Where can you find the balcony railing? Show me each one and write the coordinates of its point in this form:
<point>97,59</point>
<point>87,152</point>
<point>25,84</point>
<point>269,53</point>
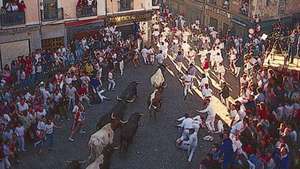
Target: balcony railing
<point>12,18</point>
<point>86,11</point>
<point>52,14</point>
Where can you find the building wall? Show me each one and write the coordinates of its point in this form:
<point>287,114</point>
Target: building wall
<point>69,8</point>
<point>32,12</point>
<point>191,9</point>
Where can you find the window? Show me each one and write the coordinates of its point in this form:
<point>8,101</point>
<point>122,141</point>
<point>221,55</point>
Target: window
<point>50,9</point>
<point>125,5</point>
<point>213,23</point>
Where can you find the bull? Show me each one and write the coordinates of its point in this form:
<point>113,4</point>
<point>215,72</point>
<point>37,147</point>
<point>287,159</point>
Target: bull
<point>100,139</point>
<point>103,161</point>
<point>74,164</point>
<point>154,102</point>
<point>128,130</point>
<point>157,79</point>
<point>130,93</point>
<point>116,113</point>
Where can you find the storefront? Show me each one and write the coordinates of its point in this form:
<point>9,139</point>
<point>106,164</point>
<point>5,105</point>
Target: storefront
<point>191,9</point>
<point>241,26</point>
<point>217,18</point>
<point>125,22</point>
<point>53,36</point>
<point>16,42</point>
<point>79,29</point>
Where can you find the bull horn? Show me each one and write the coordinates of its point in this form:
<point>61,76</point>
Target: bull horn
<point>141,114</point>
<point>130,100</point>
<point>123,121</point>
<point>118,98</point>
<point>112,116</point>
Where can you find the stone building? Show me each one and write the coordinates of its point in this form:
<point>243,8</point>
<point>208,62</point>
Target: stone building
<point>240,14</point>
<point>50,24</point>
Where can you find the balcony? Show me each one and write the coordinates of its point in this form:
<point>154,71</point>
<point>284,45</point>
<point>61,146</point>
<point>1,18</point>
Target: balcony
<point>12,18</point>
<point>52,14</point>
<point>86,11</point>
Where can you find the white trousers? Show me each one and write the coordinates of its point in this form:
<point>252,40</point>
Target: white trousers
<point>210,122</point>
<point>187,88</point>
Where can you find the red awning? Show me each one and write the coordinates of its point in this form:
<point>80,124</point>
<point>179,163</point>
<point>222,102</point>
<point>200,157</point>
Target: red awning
<point>82,22</point>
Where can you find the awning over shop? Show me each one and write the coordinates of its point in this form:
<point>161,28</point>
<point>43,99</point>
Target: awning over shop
<point>242,21</point>
<point>268,24</point>
<point>82,26</point>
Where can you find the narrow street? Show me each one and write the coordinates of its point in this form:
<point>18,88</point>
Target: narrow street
<point>154,143</point>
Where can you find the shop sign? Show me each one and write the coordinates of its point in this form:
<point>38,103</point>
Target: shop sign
<point>216,10</point>
<point>130,18</point>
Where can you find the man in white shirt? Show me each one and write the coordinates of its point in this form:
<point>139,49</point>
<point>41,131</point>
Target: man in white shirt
<point>20,132</point>
<point>206,91</point>
<point>71,94</point>
<point>186,124</point>
<point>22,105</point>
<point>210,119</point>
<point>145,55</point>
<point>160,58</point>
<point>190,144</point>
<point>187,81</point>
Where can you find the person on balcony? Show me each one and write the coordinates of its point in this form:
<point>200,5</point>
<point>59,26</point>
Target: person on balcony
<point>22,6</point>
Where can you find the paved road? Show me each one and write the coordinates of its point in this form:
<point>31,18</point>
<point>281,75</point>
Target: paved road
<point>154,144</point>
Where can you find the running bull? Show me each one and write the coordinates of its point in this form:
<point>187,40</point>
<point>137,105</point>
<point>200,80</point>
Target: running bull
<point>116,113</point>
<point>128,131</point>
<point>130,93</point>
<point>100,139</point>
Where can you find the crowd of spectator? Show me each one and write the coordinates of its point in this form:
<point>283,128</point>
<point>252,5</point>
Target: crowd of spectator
<point>47,88</point>
<point>86,7</point>
<point>14,6</point>
<point>263,132</point>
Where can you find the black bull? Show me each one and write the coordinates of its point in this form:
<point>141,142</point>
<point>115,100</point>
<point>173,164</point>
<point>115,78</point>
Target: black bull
<point>116,113</point>
<point>128,131</point>
<point>130,93</point>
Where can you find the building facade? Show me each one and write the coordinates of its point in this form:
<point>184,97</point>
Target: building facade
<point>49,24</point>
<point>191,9</point>
<point>238,14</point>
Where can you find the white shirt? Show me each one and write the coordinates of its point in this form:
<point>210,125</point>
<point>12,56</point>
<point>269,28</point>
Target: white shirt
<point>49,128</point>
<point>160,58</point>
<point>204,81</point>
<point>110,76</point>
<point>209,110</point>
<point>71,92</point>
<point>187,123</point>
<point>41,126</point>
<point>206,92</point>
<point>22,107</point>
<point>187,79</point>
<point>20,131</point>
<point>237,128</point>
<point>145,52</point>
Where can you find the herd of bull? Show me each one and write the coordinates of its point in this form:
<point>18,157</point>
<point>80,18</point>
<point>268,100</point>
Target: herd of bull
<point>101,142</point>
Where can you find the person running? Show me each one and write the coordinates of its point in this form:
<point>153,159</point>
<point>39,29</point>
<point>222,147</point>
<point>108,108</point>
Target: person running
<point>179,60</point>
<point>78,122</point>
<point>111,81</point>
<point>210,119</point>
<point>187,82</point>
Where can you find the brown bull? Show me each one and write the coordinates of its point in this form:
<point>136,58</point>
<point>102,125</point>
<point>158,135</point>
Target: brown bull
<point>154,102</point>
